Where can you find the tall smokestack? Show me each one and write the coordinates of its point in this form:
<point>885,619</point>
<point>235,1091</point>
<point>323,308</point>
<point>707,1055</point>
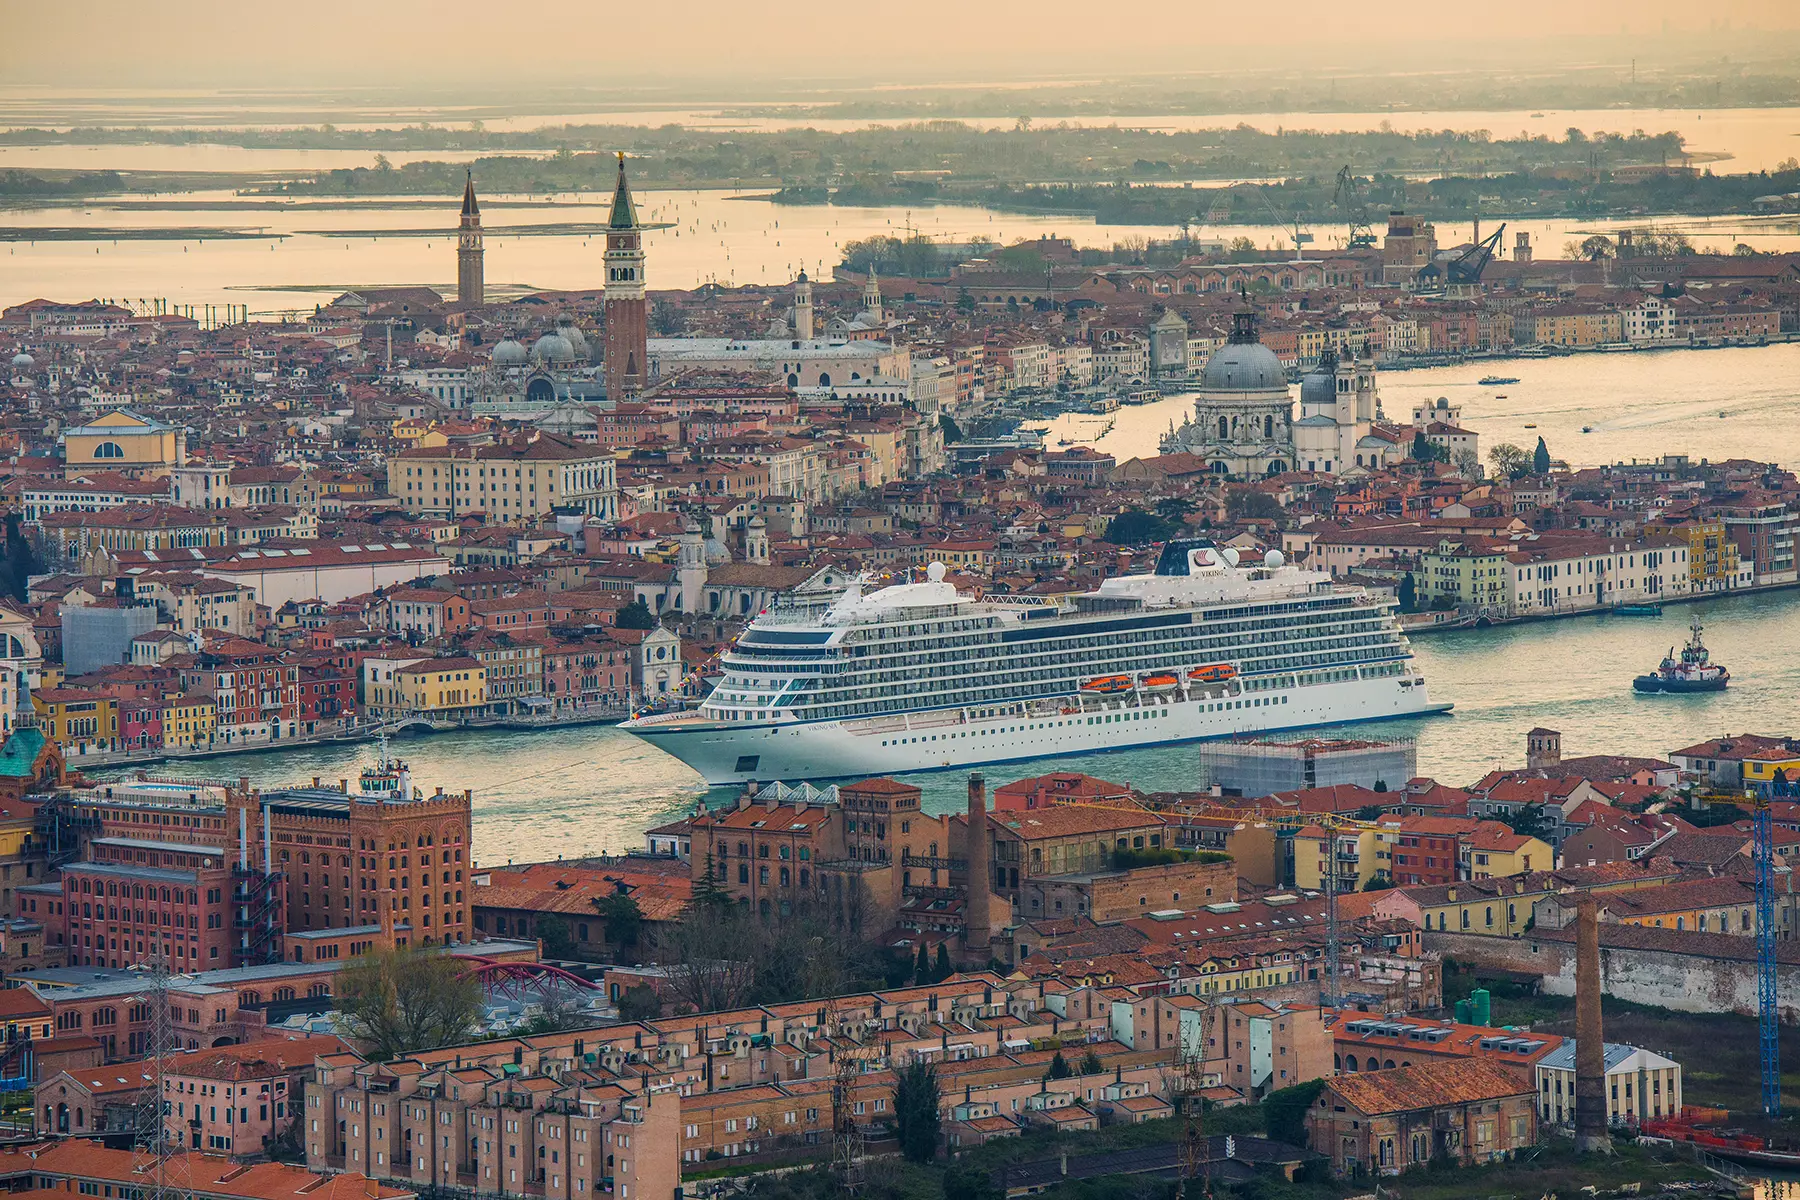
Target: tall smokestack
<point>1591,1136</point>
<point>976,933</point>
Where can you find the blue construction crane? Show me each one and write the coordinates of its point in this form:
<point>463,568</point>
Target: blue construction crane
<point>1763,841</point>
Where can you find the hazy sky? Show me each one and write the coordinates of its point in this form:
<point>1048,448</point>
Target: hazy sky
<point>494,43</point>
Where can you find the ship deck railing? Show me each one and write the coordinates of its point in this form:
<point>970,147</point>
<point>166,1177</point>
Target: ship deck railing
<point>664,718</point>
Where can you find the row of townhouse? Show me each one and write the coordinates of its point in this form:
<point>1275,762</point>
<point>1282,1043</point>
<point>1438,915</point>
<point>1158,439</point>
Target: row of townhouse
<point>546,1115</point>
<point>1546,575</point>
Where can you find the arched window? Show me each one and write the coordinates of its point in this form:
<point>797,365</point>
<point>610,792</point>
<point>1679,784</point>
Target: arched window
<point>109,450</point>
<point>1268,426</point>
<point>824,379</point>
<point>1224,429</point>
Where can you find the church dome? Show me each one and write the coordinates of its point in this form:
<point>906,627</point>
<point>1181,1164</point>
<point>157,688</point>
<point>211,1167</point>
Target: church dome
<point>23,361</point>
<point>571,333</point>
<point>508,353</point>
<point>1244,367</point>
<point>1319,388</point>
<point>553,347</point>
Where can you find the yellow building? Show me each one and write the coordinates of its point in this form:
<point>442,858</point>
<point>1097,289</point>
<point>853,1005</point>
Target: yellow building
<point>1579,327</point>
<point>514,480</point>
<point>1496,851</point>
<point>441,687</point>
<point>1466,575</point>
<point>1712,557</point>
<point>1361,854</point>
<point>188,721</point>
<point>124,441</point>
<point>79,721</point>
<point>1771,766</point>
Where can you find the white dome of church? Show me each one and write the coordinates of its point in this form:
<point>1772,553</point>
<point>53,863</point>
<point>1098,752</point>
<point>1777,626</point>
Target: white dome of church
<point>508,353</point>
<point>1243,367</point>
<point>553,347</point>
<point>571,333</point>
<point>23,361</point>
<point>1320,384</point>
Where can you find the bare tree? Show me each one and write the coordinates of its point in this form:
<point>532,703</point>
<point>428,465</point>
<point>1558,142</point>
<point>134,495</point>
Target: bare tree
<point>403,1000</point>
<point>711,958</point>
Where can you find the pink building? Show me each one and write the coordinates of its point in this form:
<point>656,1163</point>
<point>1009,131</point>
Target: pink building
<point>587,674</point>
<point>236,1099</point>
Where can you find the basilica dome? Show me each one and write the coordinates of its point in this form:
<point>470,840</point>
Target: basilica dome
<point>1243,367</point>
<point>554,348</point>
<point>508,353</point>
<point>1319,388</point>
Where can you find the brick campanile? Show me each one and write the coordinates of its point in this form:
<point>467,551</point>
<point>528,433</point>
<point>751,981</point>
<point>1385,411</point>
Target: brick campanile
<point>471,274</point>
<point>627,318</point>
<point>977,933</point>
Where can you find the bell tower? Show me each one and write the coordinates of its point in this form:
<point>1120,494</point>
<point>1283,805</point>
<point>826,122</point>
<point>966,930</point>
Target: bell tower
<point>627,321</point>
<point>803,307</point>
<point>871,297</point>
<point>471,280</point>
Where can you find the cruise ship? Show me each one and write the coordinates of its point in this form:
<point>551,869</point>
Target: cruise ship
<point>916,676</point>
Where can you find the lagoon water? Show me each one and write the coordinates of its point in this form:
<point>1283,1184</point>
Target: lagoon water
<point>280,255</point>
<point>569,792</point>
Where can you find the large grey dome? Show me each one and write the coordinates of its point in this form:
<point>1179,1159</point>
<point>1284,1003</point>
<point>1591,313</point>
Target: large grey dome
<point>23,361</point>
<point>508,353</point>
<point>553,347</point>
<point>571,333</point>
<point>1243,367</point>
<point>1319,388</point>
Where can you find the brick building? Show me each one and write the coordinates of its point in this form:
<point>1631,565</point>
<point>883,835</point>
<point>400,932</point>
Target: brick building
<point>1386,1122</point>
<point>235,1100</point>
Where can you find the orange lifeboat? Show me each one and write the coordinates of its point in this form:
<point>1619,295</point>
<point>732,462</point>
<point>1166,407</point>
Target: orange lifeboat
<point>1212,673</point>
<point>1107,685</point>
<point>1160,681</point>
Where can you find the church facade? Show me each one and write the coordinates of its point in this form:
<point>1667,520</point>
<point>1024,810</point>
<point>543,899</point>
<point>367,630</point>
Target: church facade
<point>1243,415</point>
<point>1244,424</point>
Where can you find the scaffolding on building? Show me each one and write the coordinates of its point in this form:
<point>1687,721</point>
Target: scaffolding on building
<point>1255,767</point>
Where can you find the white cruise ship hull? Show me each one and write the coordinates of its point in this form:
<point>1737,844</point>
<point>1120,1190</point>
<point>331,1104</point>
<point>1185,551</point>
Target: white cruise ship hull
<point>939,739</point>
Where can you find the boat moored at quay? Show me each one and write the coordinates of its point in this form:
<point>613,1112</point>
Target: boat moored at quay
<point>916,676</point>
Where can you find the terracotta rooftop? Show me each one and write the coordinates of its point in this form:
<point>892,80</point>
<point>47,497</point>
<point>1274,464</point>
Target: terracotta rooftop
<point>1427,1085</point>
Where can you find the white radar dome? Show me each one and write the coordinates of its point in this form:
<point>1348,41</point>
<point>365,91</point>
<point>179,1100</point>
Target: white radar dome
<point>1230,556</point>
<point>935,572</point>
<point>1273,559</point>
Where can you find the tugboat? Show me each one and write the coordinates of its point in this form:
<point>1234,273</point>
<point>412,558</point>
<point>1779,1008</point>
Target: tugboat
<point>1694,671</point>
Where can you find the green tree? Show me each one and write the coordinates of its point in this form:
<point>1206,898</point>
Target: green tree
<point>1091,1064</point>
<point>1509,461</point>
<point>916,1118</point>
<point>1174,508</point>
<point>636,615</point>
<point>707,892</point>
<point>1135,527</point>
<point>1597,247</point>
<point>1409,593</point>
<point>553,932</point>
<point>1247,504</point>
<point>1422,449</point>
<point>1530,821</point>
<point>1059,1067</point>
<point>965,303</point>
<point>404,1000</point>
<point>922,969</point>
<point>1540,459</point>
<point>943,970</point>
<point>640,1003</point>
<point>965,1180</point>
<point>1284,1111</point>
<point>624,922</point>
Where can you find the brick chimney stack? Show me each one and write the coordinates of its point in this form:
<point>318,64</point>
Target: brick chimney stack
<point>1591,1136</point>
<point>976,934</point>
